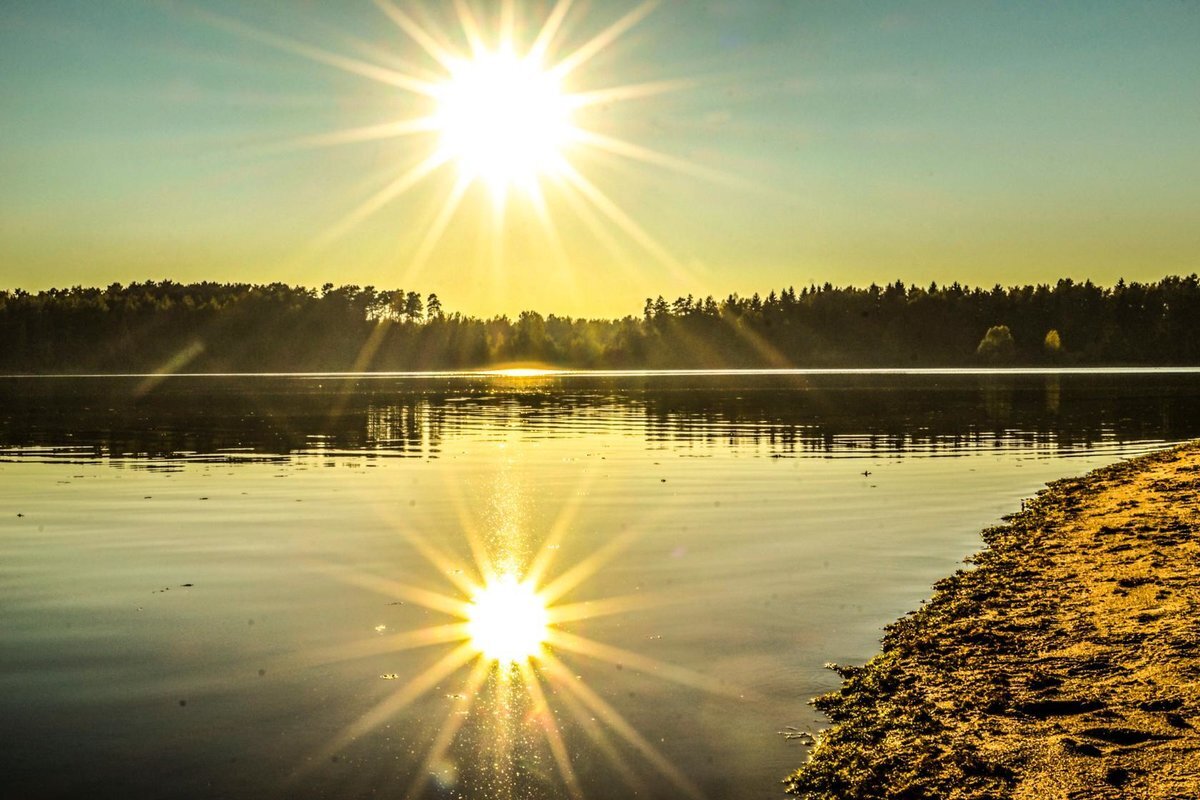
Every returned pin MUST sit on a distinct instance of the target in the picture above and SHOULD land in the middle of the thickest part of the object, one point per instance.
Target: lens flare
(508, 621)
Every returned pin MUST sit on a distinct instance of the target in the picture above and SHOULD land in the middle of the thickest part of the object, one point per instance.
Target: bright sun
(507, 620)
(505, 105)
(503, 120)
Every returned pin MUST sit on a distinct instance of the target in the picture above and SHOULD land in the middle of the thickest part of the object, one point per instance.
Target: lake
(241, 586)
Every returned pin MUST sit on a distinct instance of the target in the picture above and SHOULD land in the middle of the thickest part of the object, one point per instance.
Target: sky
(747, 146)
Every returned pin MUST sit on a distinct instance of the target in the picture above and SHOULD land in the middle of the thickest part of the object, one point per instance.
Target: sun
(503, 120)
(507, 621)
(504, 103)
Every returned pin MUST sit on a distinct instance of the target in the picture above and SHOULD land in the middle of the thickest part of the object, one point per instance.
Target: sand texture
(1066, 664)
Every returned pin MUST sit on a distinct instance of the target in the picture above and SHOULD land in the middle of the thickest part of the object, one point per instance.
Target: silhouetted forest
(210, 327)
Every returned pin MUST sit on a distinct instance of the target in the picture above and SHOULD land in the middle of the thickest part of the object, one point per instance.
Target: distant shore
(1065, 665)
(210, 327)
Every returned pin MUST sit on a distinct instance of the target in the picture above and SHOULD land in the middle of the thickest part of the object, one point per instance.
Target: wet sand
(1066, 664)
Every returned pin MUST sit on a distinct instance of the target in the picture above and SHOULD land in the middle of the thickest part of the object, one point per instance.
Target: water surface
(206, 582)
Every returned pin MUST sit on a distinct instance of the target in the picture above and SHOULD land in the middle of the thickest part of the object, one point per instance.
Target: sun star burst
(500, 104)
(506, 625)
(507, 620)
(503, 120)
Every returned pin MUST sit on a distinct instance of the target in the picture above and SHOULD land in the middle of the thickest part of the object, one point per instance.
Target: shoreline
(545, 371)
(1064, 665)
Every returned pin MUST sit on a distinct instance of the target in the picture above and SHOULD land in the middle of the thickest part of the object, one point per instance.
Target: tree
(276, 327)
(997, 345)
(413, 307)
(433, 307)
(529, 340)
(1052, 344)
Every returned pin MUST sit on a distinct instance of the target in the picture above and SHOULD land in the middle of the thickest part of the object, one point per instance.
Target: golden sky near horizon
(577, 157)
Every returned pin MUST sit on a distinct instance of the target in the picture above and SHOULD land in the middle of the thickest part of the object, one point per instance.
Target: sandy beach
(1063, 662)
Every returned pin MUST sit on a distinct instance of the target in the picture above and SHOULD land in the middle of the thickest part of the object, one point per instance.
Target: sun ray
(450, 727)
(549, 30)
(432, 26)
(470, 27)
(646, 155)
(366, 133)
(495, 232)
(587, 567)
(603, 39)
(619, 725)
(434, 601)
(354, 66)
(563, 522)
(390, 58)
(589, 609)
(622, 220)
(172, 365)
(436, 228)
(537, 199)
(595, 732)
(467, 524)
(363, 359)
(768, 352)
(591, 220)
(417, 33)
(394, 643)
(651, 666)
(545, 718)
(403, 697)
(399, 186)
(508, 22)
(692, 344)
(440, 560)
(630, 91)
(447, 565)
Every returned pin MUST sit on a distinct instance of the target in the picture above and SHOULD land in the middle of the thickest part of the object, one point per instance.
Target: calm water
(242, 587)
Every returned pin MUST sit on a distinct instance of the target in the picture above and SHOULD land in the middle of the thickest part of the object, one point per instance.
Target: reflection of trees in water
(211, 420)
(1053, 393)
(413, 429)
(934, 413)
(997, 395)
(843, 414)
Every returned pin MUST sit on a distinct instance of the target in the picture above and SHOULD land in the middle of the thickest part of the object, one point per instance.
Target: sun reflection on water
(508, 620)
(524, 690)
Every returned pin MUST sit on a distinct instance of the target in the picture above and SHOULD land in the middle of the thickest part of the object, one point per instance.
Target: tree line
(210, 327)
